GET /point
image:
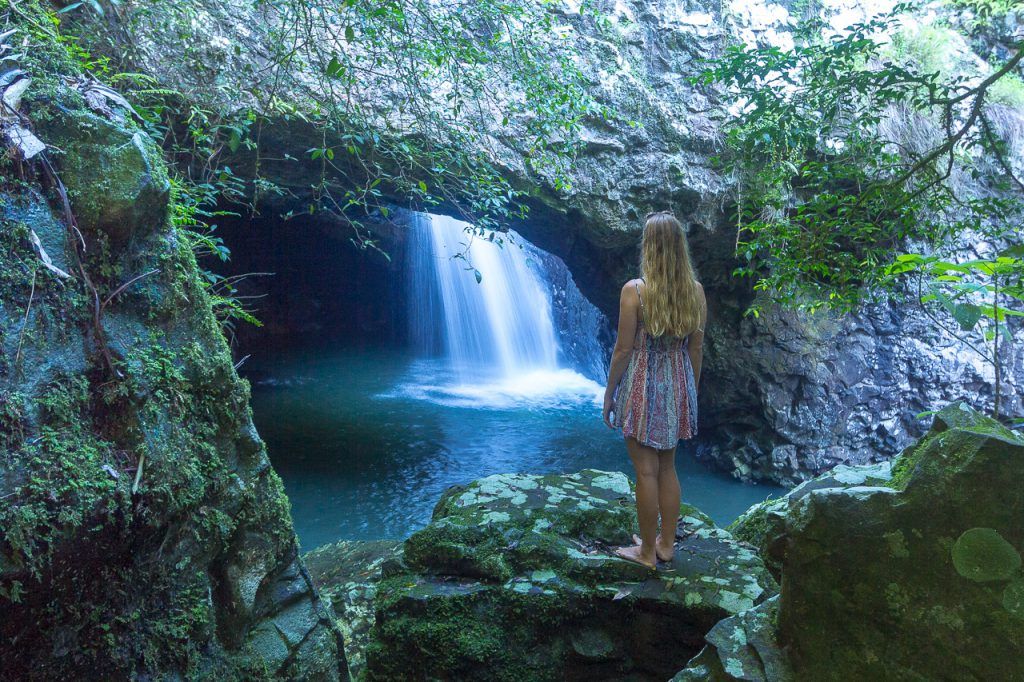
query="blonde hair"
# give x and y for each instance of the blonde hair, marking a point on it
(672, 299)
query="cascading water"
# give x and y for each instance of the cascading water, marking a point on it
(500, 323)
(485, 309)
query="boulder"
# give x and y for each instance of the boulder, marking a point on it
(114, 174)
(765, 523)
(919, 579)
(515, 578)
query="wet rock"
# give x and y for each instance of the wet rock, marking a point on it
(347, 573)
(517, 573)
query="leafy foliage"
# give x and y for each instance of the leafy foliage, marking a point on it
(829, 188)
(405, 99)
(985, 11)
(850, 148)
(975, 295)
(193, 209)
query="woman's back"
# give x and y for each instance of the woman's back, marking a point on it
(656, 401)
(664, 342)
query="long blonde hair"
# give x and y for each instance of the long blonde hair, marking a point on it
(672, 300)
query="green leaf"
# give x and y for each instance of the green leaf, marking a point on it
(334, 67)
(966, 315)
(350, 34)
(1014, 251)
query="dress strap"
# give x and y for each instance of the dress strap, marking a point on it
(637, 285)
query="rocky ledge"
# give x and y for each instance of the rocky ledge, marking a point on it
(515, 578)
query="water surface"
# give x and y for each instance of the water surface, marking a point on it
(367, 442)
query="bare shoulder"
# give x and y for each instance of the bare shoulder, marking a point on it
(630, 286)
(629, 296)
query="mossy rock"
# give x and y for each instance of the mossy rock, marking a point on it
(764, 524)
(515, 578)
(915, 580)
(742, 647)
(114, 174)
(143, 532)
(347, 573)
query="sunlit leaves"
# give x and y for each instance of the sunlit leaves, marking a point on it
(824, 195)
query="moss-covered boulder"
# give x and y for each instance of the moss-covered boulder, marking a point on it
(143, 532)
(515, 578)
(347, 573)
(115, 178)
(918, 580)
(764, 524)
(742, 647)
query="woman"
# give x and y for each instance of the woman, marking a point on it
(656, 367)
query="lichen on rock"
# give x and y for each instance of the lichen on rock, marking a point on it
(348, 573)
(515, 578)
(913, 575)
(742, 647)
(917, 578)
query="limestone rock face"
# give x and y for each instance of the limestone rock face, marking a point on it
(515, 579)
(143, 532)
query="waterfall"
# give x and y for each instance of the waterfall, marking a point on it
(501, 323)
(503, 317)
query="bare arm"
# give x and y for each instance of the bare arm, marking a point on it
(695, 346)
(629, 307)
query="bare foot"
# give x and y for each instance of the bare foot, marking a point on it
(633, 554)
(661, 551)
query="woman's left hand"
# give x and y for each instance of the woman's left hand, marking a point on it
(609, 407)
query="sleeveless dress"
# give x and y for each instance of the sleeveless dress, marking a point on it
(656, 399)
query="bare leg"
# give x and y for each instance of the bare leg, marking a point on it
(645, 461)
(669, 499)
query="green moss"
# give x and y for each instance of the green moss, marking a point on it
(982, 555)
(13, 409)
(1013, 598)
(1008, 90)
(949, 445)
(122, 494)
(751, 526)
